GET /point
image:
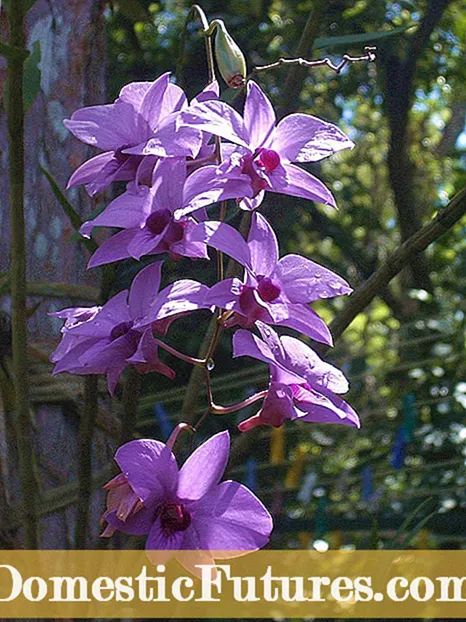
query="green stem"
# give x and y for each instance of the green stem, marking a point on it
(196, 9)
(15, 119)
(86, 431)
(131, 393)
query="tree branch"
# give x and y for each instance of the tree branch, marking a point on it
(430, 232)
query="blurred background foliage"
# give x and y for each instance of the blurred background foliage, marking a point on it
(405, 355)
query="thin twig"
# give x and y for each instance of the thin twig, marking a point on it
(368, 57)
(15, 117)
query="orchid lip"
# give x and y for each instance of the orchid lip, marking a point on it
(268, 158)
(174, 517)
(120, 329)
(157, 221)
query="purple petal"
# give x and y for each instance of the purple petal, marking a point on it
(259, 116)
(305, 281)
(204, 468)
(144, 290)
(145, 242)
(276, 409)
(113, 249)
(167, 184)
(109, 127)
(217, 118)
(211, 91)
(138, 524)
(91, 169)
(174, 100)
(150, 468)
(187, 247)
(125, 212)
(323, 407)
(114, 312)
(302, 184)
(305, 320)
(166, 141)
(263, 246)
(225, 294)
(210, 184)
(223, 238)
(304, 138)
(301, 359)
(250, 204)
(231, 518)
(181, 297)
(133, 93)
(151, 104)
(146, 359)
(246, 343)
(162, 540)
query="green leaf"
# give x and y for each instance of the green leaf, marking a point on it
(9, 52)
(410, 535)
(31, 77)
(406, 523)
(366, 38)
(69, 210)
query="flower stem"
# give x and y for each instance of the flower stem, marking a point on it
(180, 355)
(196, 9)
(131, 393)
(226, 410)
(86, 431)
(15, 120)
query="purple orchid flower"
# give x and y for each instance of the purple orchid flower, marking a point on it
(106, 340)
(184, 510)
(133, 132)
(146, 216)
(265, 152)
(273, 291)
(302, 386)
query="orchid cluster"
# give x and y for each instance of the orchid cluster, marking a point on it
(177, 159)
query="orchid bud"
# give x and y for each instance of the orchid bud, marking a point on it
(230, 59)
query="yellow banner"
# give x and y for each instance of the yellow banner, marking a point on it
(266, 584)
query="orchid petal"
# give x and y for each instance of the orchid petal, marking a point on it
(210, 184)
(113, 249)
(304, 138)
(114, 312)
(259, 116)
(125, 212)
(262, 245)
(231, 518)
(305, 320)
(301, 359)
(217, 118)
(89, 170)
(144, 290)
(225, 294)
(303, 280)
(323, 407)
(195, 479)
(109, 127)
(138, 524)
(151, 104)
(164, 542)
(302, 184)
(150, 468)
(225, 239)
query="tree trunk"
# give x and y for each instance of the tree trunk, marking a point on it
(71, 34)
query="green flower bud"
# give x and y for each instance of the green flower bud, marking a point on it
(230, 59)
